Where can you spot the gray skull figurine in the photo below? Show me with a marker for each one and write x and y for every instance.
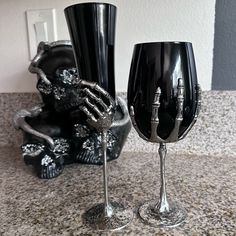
(61, 130)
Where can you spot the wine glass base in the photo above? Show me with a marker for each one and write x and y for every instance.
(173, 218)
(119, 219)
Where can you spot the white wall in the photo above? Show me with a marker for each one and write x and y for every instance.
(137, 21)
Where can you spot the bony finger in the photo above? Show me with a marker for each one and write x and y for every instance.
(100, 90)
(92, 121)
(131, 111)
(97, 99)
(94, 86)
(87, 113)
(93, 107)
(85, 110)
(112, 103)
(101, 103)
(89, 93)
(84, 84)
(105, 94)
(86, 101)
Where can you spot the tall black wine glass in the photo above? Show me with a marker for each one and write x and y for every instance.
(92, 32)
(164, 100)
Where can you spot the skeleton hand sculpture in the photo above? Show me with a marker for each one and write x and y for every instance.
(99, 109)
(174, 135)
(54, 132)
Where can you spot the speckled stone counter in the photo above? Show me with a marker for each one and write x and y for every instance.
(205, 186)
(213, 134)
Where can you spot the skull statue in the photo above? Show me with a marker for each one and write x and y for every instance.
(57, 132)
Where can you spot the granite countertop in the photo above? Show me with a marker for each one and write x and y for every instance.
(205, 186)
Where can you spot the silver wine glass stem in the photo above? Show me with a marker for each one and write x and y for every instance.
(107, 206)
(163, 205)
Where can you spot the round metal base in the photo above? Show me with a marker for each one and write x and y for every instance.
(95, 217)
(151, 216)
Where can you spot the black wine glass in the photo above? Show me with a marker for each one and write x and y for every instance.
(164, 100)
(92, 32)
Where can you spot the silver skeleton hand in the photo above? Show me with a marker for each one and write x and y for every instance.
(179, 117)
(98, 106)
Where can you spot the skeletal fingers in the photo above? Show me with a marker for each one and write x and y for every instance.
(89, 115)
(156, 105)
(174, 135)
(98, 106)
(96, 99)
(180, 99)
(154, 118)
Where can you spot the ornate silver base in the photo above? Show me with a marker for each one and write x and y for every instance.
(120, 217)
(150, 214)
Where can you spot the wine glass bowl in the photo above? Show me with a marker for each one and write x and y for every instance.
(164, 100)
(164, 71)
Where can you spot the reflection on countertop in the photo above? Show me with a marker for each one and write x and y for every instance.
(204, 185)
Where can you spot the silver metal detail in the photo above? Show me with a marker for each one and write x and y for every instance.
(44, 88)
(81, 131)
(163, 206)
(100, 119)
(68, 76)
(41, 49)
(96, 219)
(163, 213)
(107, 207)
(35, 70)
(49, 168)
(108, 215)
(60, 42)
(198, 108)
(46, 160)
(174, 135)
(173, 218)
(92, 143)
(61, 147)
(154, 118)
(20, 123)
(32, 149)
(59, 92)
